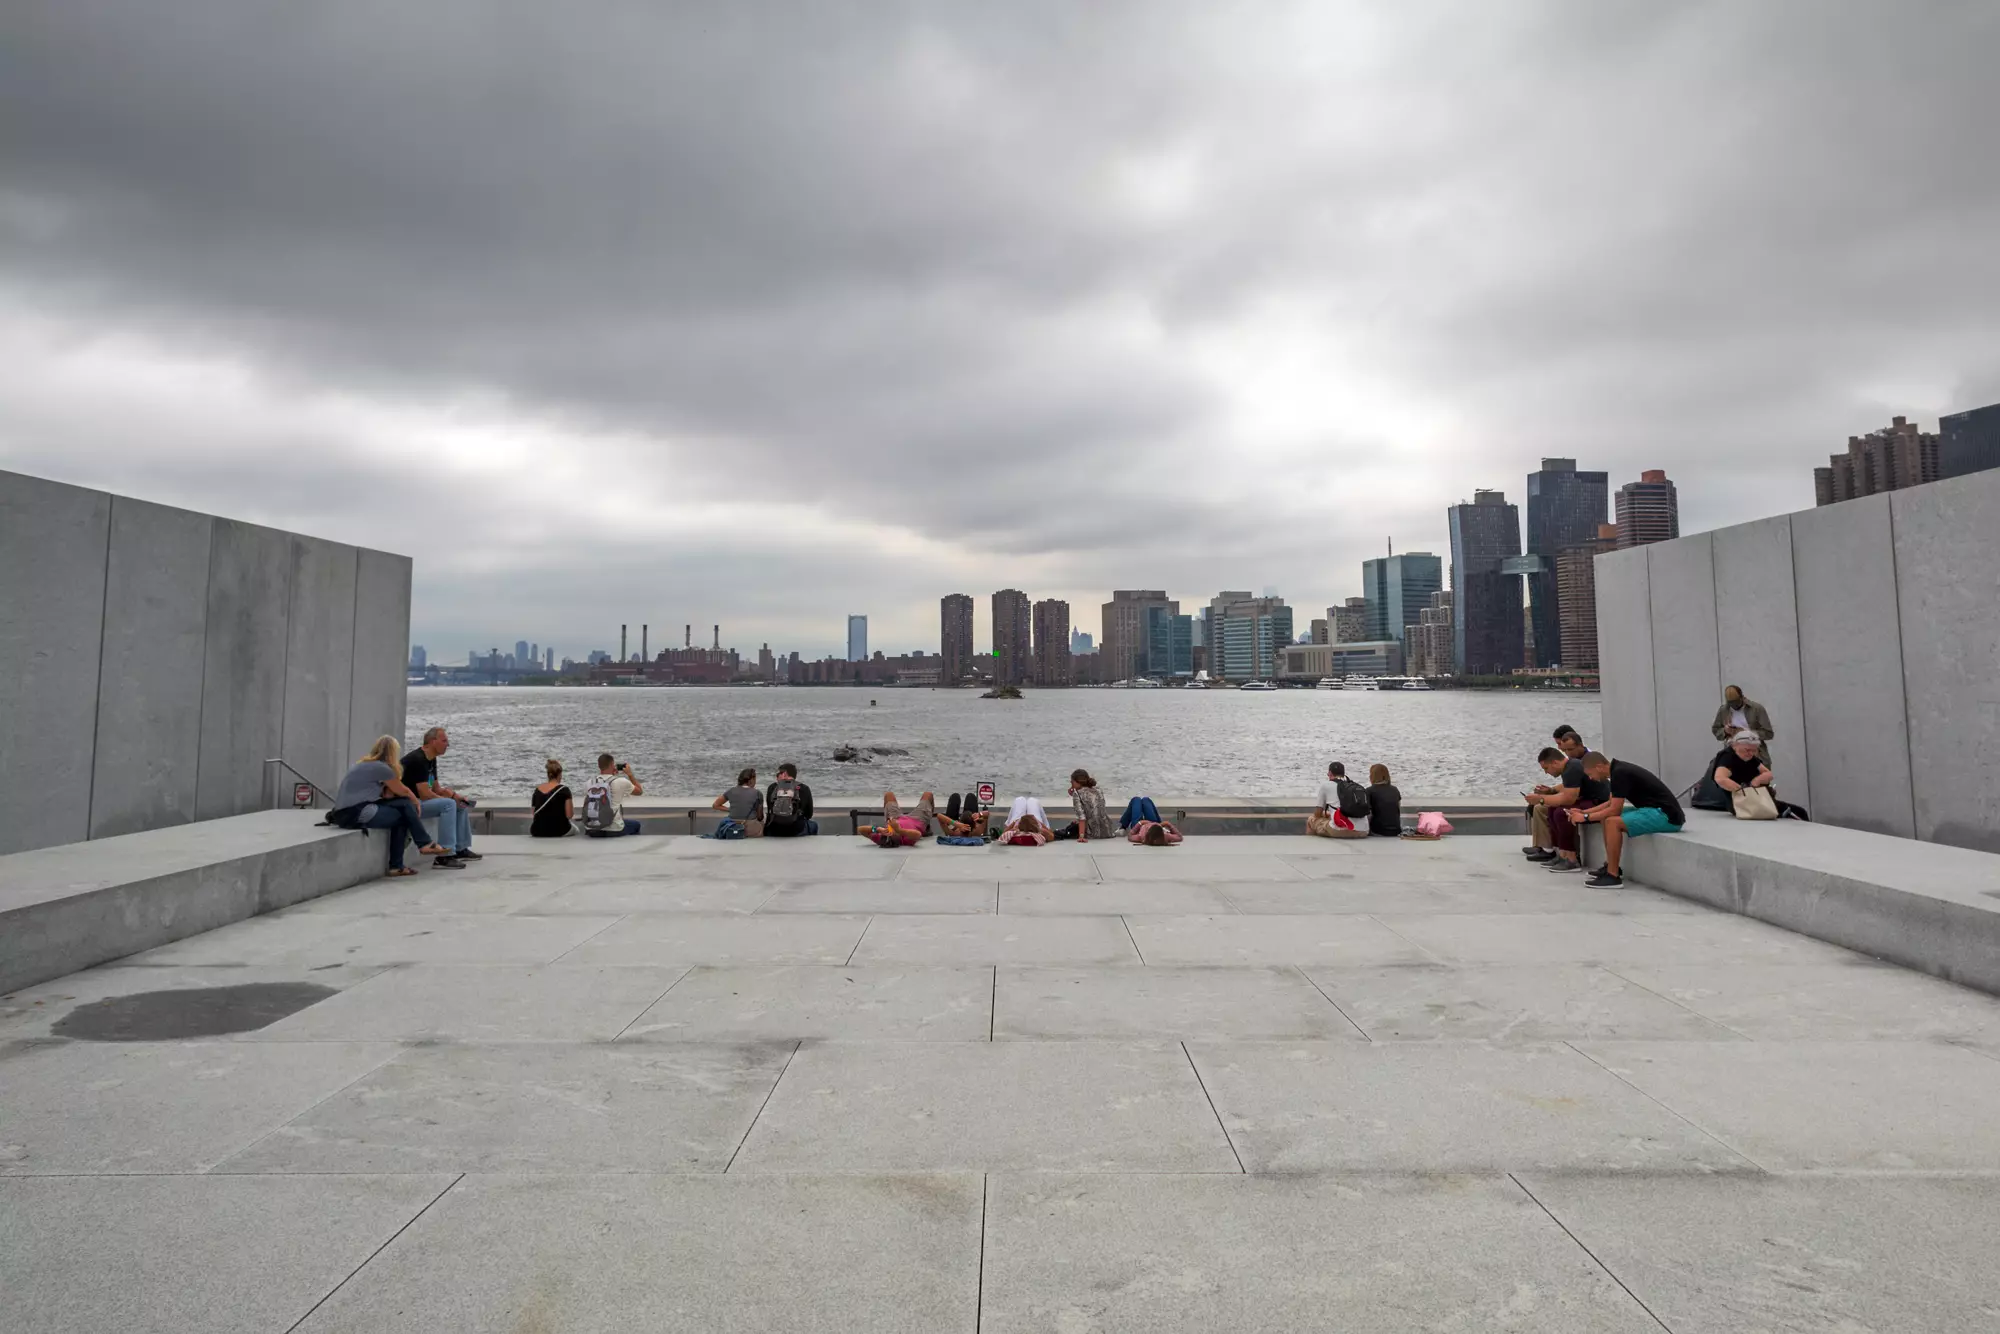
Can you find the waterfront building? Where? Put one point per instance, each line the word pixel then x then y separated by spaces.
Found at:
pixel 1427 644
pixel 1394 589
pixel 1012 637
pixel 1081 642
pixel 1169 644
pixel 418 658
pixel 1648 510
pixel 1316 662
pixel 1565 507
pixel 955 635
pixel 1246 634
pixel 857 638
pixel 1348 621
pixel 1320 633
pixel 520 651
pixel 1969 441
pixel 1576 593
pixel 1897 456
pixel 1051 643
pixel 1084 669
pixel 1486 594
pixel 1123 644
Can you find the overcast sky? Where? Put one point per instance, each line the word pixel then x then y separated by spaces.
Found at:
pixel 766 314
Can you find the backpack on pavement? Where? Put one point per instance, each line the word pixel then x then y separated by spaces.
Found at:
pixel 598 811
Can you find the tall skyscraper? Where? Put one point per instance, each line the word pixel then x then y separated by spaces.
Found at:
pixel 1012 642
pixel 1121 649
pixel 1395 589
pixel 520 653
pixel 1890 459
pixel 1485 600
pixel 955 636
pixel 1648 510
pixel 1565 507
pixel 1576 592
pixel 1969 441
pixel 857 639
pixel 1245 635
pixel 1081 642
pixel 1051 649
pixel 418 658
pixel 1169 643
pixel 551 658
pixel 1348 621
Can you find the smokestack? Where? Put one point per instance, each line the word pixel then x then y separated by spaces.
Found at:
pixel 687 636
pixel 621 643
pixel 644 655
pixel 718 639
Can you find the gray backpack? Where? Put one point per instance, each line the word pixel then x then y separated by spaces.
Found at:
pixel 784 802
pixel 598 812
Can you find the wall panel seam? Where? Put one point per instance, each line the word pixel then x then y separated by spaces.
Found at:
pixel 97 686
pixel 1902 667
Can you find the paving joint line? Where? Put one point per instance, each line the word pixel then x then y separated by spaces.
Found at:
pixel 449 1187
pixel 751 1129
pixel 1670 1110
pixel 1134 939
pixel 1635 982
pixel 1202 1084
pixel 1594 1259
pixel 979 1290
pixel 1415 945
pixel 993 1005
pixel 621 918
pixel 401 1048
pixel 1366 1036
pixel 655 1001
pixel 866 928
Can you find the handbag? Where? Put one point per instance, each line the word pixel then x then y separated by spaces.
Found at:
pixel 1754 803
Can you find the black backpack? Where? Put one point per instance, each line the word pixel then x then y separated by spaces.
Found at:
pixel 784 802
pixel 1353 799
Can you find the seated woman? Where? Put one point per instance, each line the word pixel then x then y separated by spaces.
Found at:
pixel 372 796
pixel 1154 834
pixel 553 805
pixel 1741 765
pixel 1027 831
pixel 744 802
pixel 1093 820
pixel 1385 804
pixel 900 827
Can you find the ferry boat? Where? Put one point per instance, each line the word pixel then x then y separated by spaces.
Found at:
pixel 1357 681
pixel 1257 685
pixel 1328 683
pixel 1416 683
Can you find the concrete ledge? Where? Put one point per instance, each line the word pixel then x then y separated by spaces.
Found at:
pixel 81 904
pixel 1926 906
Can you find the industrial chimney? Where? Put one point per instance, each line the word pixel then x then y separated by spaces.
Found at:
pixel 621 642
pixel 687 636
pixel 718 639
pixel 645 655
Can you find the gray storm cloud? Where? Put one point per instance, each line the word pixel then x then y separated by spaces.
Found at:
pixel 864 303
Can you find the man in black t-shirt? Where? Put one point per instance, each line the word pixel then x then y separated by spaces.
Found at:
pixel 788 806
pixel 1639 804
pixel 1564 762
pixel 440 803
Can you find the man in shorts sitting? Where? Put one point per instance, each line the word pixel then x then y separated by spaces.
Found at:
pixel 1639 804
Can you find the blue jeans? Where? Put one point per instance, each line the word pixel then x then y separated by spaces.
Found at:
pixel 401 818
pixel 454 823
pixel 631 827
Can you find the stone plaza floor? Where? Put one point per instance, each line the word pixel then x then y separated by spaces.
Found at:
pixel 1250 1084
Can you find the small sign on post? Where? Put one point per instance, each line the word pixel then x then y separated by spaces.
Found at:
pixel 985 789
pixel 302 795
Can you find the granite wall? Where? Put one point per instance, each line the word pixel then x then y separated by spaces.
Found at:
pixel 1870 630
pixel 152 658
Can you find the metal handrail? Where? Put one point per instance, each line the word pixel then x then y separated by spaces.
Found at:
pixel 318 791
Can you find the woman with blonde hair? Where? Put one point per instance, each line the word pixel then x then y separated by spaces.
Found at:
pixel 553 805
pixel 372 796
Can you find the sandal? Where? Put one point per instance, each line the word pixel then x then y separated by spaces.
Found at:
pixel 434 850
pixel 403 871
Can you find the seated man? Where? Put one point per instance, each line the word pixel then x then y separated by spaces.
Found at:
pixel 1639 804
pixel 604 799
pixel 451 812
pixel 1553 835
pixel 788 806
pixel 1343 794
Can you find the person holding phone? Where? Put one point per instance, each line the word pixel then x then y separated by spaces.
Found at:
pixel 605 797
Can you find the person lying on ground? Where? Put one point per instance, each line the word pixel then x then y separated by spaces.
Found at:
pixel 963 817
pixel 1026 832
pixel 372 796
pixel 1156 834
pixel 901 826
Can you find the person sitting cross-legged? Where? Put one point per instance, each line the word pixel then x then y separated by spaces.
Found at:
pixel 1639 804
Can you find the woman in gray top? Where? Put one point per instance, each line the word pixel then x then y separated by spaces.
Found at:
pixel 744 802
pixel 1092 819
pixel 372 796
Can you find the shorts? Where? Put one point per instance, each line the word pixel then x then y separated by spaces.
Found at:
pixel 1642 820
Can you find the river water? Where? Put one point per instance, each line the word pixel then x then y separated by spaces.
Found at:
pixel 1180 743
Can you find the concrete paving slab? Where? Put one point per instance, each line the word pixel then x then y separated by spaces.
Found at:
pixel 984 1106
pixel 503 1003
pixel 1175 1004
pixel 678 1255
pixel 670 938
pixel 847 1004
pixel 1373 868
pixel 1826 1105
pixel 806 866
pixel 1272 1255
pixel 1271 939
pixel 652 894
pixel 312 940
pixel 1114 899
pixel 1842 1001
pixel 581 1108
pixel 996 940
pixel 996 865
pixel 885 896
pixel 87 1107
pixel 1637 938
pixel 1204 867
pixel 32 1012
pixel 1400 898
pixel 1441 1107
pixel 1745 1255
pixel 1507 1004
pixel 174 1254
pixel 447 892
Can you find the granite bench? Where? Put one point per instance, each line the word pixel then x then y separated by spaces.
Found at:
pixel 81 904
pixel 1928 906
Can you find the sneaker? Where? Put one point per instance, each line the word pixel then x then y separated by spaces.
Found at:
pixel 1564 866
pixel 1605 880
pixel 467 855
pixel 1540 855
pixel 1531 851
pixel 448 863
